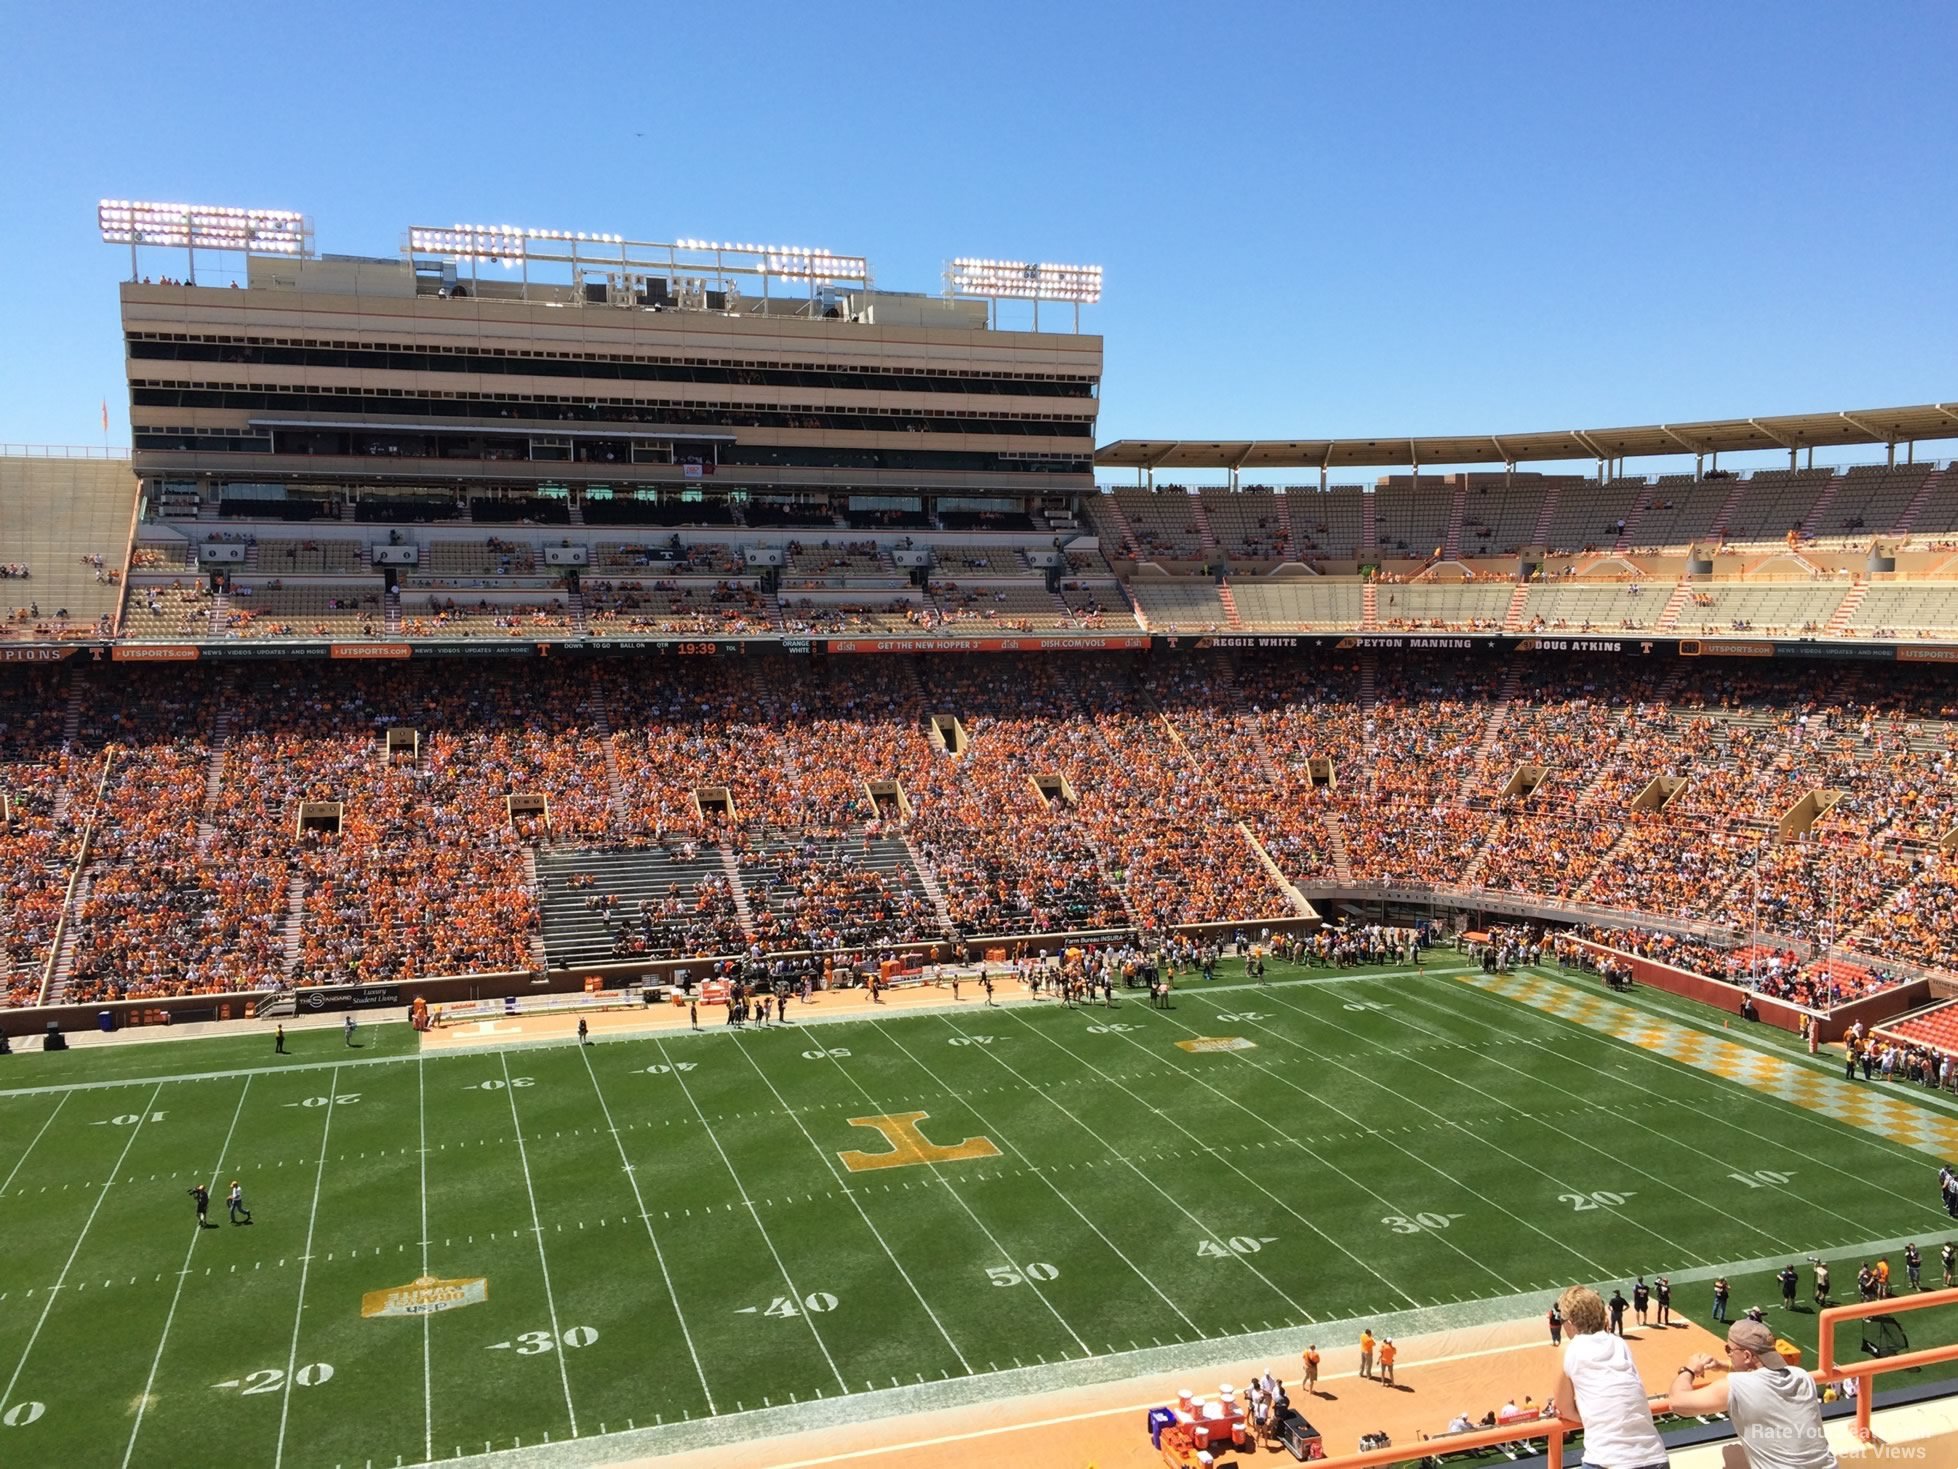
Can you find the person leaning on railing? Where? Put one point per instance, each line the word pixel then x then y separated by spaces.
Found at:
pixel 1775 1408
pixel 1601 1383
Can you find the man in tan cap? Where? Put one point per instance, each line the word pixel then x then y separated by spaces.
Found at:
pixel 1775 1408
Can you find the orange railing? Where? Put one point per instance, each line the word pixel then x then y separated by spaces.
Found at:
pixel 1828 1369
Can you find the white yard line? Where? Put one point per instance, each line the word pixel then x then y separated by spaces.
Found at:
pixel 54 1291
pixel 1699 1202
pixel 646 1216
pixel 217 1170
pixel 305 1268
pixel 992 1131
pixel 428 1370
pixel 537 1228
pixel 1169 1198
pixel 1380 1136
pixel 1855 1180
pixel 1442 1120
pixel 851 1194
pixel 749 1204
pixel 31 1146
pixel 1078 1059
pixel 1005 1255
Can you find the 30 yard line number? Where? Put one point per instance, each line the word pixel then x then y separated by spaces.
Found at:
pixel 540 1343
pixel 1418 1223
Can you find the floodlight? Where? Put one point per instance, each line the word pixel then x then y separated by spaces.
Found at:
pixel 1026 281
pixel 202 226
pixel 495 241
pixel 816 265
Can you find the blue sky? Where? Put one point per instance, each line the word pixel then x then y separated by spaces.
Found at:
pixel 1349 220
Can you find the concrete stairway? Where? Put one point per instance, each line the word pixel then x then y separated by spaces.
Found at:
pixel 934 890
pixel 64 958
pixel 1736 492
pixel 737 888
pixel 1336 845
pixel 1813 520
pixel 1546 515
pixel 1369 528
pixel 1512 618
pixel 1451 541
pixel 1628 537
pixel 1228 600
pixel 1838 623
pixel 290 932
pixel 1682 590
pixel 1933 484
pixel 220 614
pixel 1369 606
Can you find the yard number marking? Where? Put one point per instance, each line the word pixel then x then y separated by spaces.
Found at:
pixel 816 1302
pixel 271 1379
pixel 1240 1244
pixel 537 1343
pixel 127 1119
pixel 970 1040
pixel 22 1414
pixel 1414 1224
pixel 1117 1028
pixel 495 1083
pixel 839 1052
pixel 1761 1178
pixel 1007 1275
pixel 660 1068
pixel 1601 1199
pixel 1250 1017
pixel 345 1099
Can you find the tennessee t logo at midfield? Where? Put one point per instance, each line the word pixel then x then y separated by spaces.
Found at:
pixel 910 1146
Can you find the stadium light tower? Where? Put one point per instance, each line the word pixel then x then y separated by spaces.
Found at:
pixel 194 227
pixel 1024 280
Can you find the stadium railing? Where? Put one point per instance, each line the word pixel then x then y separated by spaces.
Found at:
pixel 1828 1369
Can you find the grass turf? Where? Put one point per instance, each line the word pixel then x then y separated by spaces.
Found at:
pixel 669 1235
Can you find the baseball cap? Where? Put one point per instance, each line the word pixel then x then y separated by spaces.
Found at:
pixel 1752 1335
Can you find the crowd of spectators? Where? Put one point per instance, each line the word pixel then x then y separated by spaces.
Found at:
pixel 1086 794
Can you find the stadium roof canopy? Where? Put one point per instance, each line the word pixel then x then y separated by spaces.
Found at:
pixel 1715 436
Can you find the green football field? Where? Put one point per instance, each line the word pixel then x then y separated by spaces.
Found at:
pixel 660 1243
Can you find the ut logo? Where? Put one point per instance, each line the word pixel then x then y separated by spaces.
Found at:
pixel 910 1146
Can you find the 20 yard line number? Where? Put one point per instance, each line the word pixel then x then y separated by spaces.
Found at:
pixel 495 1083
pixel 1602 1198
pixel 271 1379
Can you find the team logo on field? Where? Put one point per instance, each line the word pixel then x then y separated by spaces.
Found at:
pixel 909 1146
pixel 1218 1043
pixel 425 1296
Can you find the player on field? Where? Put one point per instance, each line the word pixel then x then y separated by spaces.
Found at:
pixel 348 1028
pixel 1786 1275
pixel 1914 1266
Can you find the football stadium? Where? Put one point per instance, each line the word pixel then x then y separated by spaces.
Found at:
pixel 621 849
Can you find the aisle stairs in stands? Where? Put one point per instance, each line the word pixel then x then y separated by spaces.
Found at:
pixel 1737 491
pixel 71 717
pixel 732 869
pixel 1369 527
pixel 290 932
pixel 1227 599
pixel 539 960
pixel 391 612
pixel 1628 537
pixel 1492 728
pixel 1109 509
pixel 1284 504
pixel 1676 601
pixel 574 603
pixel 1813 520
pixel 1213 550
pixel 214 775
pixel 1546 514
pixel 1512 618
pixel 1294 899
pixel 1336 845
pixel 1369 681
pixel 1369 606
pixel 601 723
pixel 1135 607
pixel 220 614
pixel 71 928
pixel 575 508
pixel 1933 484
pixel 1451 541
pixel 934 890
pixel 1838 623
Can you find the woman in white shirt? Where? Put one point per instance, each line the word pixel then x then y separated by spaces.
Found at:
pixel 1601 1382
